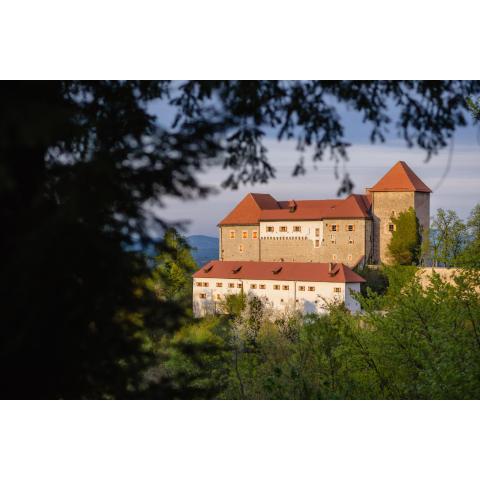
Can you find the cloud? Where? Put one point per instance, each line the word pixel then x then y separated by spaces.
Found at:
pixel 460 190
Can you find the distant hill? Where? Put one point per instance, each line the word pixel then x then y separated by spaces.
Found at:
pixel 204 248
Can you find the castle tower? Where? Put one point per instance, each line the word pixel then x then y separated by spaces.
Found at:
pixel 398 190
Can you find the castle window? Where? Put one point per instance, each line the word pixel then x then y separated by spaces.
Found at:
pixel 198 284
pixel 333 228
pixel 311 289
pixel 297 229
pixel 262 287
pixel 219 284
pixel 239 285
pixel 285 287
pixel 350 240
pixel 276 287
pixel 301 288
pixel 254 234
pixel 203 295
pixel 244 234
pixel 391 227
pixel 205 284
pixel 317 232
pixel 317 243
pixel 332 238
pixel 350 228
pixel 334 256
pixel 253 285
pixel 240 248
pixel 231 234
pixel 283 229
pixel 231 285
pixel 281 300
pixel 270 229
pixel 337 290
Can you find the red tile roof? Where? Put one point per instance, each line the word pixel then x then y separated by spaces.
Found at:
pixel 307 272
pixel 400 178
pixel 249 211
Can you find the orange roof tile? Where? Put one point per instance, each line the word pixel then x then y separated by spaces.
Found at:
pixel 400 178
pixel 248 210
pixel 307 272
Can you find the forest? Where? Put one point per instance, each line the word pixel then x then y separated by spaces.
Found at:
pixel 413 340
pixel 86 171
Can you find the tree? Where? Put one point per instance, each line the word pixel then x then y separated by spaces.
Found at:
pixel 405 244
pixel 173 270
pixel 448 237
pixel 470 256
pixel 474 108
pixel 81 164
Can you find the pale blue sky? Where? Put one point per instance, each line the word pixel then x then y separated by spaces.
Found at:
pixel 460 190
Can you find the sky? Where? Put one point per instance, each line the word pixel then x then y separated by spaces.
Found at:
pixel 459 190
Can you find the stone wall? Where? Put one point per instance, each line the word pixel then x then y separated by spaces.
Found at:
pixel 384 206
pixel 338 249
pixel 422 209
pixel 230 249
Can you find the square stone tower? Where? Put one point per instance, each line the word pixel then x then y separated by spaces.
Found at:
pixel 398 190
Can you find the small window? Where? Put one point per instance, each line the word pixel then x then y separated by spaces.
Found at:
pixel 203 295
pixel 317 243
pixel 333 228
pixel 231 235
pixel 276 287
pixel 262 287
pixel 240 248
pixel 296 301
pixel 205 284
pixel 334 256
pixel 244 234
pixel 198 284
pixel 301 288
pixel 350 228
pixel 219 284
pixel 316 301
pixel 351 241
pixel 349 257
pixel 253 285
pixel 333 239
pixel 231 285
pixel 297 229
pixel 270 229
pixel 283 229
pixel 239 285
pixel 254 234
pixel 391 227
pixel 285 287
pixel 311 289
pixel 317 232
pixel 337 290
pixel 281 300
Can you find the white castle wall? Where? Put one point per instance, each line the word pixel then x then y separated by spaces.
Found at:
pixel 306 301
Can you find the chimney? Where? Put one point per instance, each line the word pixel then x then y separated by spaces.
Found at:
pixel 330 268
pixel 292 206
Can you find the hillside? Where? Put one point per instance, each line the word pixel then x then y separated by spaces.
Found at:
pixel 204 248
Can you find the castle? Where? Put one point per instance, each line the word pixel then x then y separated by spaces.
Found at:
pixel 300 252
pixel 353 230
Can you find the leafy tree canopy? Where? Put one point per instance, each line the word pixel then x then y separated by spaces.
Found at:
pixel 81 164
pixel 404 246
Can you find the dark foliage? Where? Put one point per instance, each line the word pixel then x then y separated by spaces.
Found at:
pixel 81 161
